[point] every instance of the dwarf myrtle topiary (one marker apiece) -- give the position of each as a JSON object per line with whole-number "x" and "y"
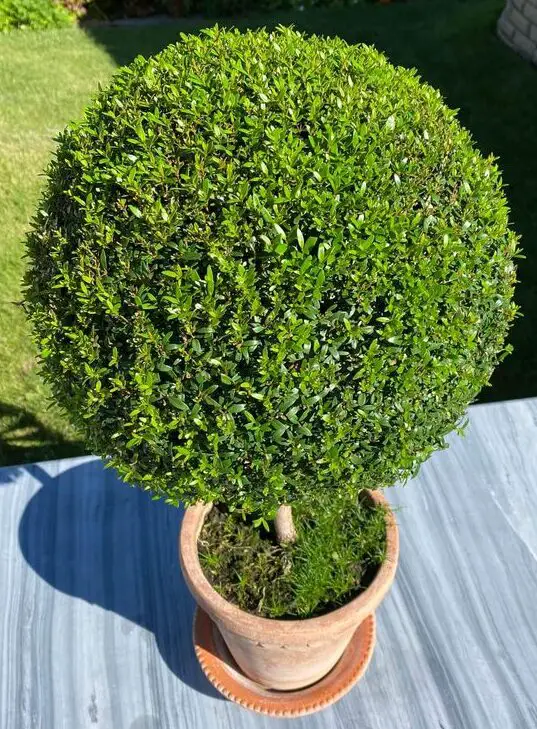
{"x": 267, "y": 266}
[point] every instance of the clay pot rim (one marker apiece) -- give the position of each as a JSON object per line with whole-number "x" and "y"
{"x": 258, "y": 628}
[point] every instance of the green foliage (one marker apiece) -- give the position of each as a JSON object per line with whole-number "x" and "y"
{"x": 229, "y": 7}
{"x": 103, "y": 9}
{"x": 226, "y": 7}
{"x": 118, "y": 8}
{"x": 338, "y": 551}
{"x": 33, "y": 14}
{"x": 78, "y": 8}
{"x": 267, "y": 266}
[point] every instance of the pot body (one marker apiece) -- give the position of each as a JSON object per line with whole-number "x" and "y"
{"x": 284, "y": 654}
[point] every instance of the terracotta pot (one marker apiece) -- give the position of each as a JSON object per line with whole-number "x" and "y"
{"x": 284, "y": 654}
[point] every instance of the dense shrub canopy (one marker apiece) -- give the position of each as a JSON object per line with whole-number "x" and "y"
{"x": 266, "y": 266}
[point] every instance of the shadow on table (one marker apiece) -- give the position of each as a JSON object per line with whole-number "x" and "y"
{"x": 93, "y": 537}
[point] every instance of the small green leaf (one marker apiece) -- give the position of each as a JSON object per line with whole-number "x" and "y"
{"x": 209, "y": 280}
{"x": 135, "y": 211}
{"x": 236, "y": 408}
{"x": 178, "y": 402}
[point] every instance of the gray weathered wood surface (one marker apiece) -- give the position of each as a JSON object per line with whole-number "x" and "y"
{"x": 95, "y": 620}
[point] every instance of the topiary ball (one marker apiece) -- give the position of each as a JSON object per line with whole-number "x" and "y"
{"x": 266, "y": 267}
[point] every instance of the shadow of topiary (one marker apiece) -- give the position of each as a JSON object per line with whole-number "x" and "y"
{"x": 91, "y": 536}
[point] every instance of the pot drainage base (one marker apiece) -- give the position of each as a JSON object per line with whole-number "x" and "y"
{"x": 224, "y": 674}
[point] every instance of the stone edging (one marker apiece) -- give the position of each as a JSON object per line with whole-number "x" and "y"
{"x": 517, "y": 27}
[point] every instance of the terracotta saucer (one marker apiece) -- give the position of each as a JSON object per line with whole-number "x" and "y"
{"x": 224, "y": 674}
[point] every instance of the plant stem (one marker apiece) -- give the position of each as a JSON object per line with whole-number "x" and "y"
{"x": 284, "y": 525}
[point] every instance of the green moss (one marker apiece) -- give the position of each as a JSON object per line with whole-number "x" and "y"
{"x": 335, "y": 557}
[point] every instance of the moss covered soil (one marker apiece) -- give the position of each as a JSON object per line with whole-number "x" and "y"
{"x": 336, "y": 556}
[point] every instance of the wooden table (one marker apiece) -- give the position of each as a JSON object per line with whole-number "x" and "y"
{"x": 95, "y": 619}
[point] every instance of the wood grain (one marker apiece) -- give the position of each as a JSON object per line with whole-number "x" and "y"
{"x": 95, "y": 620}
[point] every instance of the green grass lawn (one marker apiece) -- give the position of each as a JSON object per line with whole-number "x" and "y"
{"x": 46, "y": 78}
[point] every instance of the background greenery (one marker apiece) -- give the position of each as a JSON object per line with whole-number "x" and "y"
{"x": 46, "y": 78}
{"x": 112, "y": 8}
{"x": 34, "y": 14}
{"x": 39, "y": 14}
